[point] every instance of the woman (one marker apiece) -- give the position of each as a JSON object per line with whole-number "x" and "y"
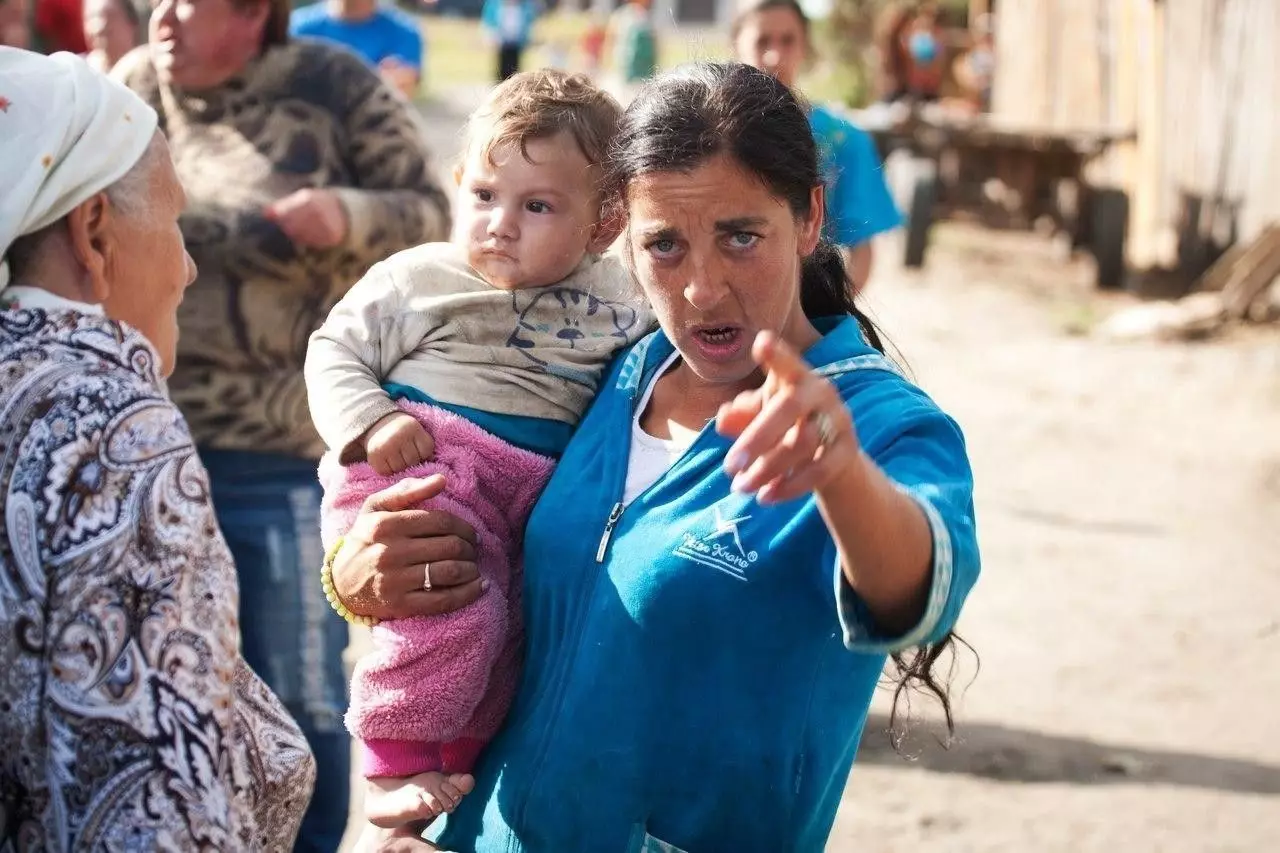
{"x": 301, "y": 169}
{"x": 129, "y": 721}
{"x": 773, "y": 35}
{"x": 709, "y": 605}
{"x": 112, "y": 28}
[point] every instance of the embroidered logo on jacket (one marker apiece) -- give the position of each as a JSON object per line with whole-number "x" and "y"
{"x": 720, "y": 548}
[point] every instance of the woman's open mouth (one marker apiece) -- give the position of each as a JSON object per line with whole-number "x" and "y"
{"x": 719, "y": 343}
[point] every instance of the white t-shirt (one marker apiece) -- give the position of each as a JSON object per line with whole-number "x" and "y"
{"x": 650, "y": 457}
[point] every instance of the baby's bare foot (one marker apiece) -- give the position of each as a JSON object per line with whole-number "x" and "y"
{"x": 394, "y": 802}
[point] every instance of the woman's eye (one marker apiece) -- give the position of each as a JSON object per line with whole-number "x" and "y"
{"x": 538, "y": 207}
{"x": 662, "y": 247}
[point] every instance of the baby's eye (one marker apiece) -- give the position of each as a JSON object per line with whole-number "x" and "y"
{"x": 538, "y": 207}
{"x": 485, "y": 196}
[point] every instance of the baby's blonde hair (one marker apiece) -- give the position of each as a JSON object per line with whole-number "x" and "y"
{"x": 540, "y": 104}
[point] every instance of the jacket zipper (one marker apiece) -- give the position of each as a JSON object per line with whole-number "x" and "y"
{"x": 614, "y": 515}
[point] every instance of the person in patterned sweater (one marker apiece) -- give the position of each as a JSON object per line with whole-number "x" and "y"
{"x": 302, "y": 169}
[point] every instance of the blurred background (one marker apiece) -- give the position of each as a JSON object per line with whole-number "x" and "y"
{"x": 1087, "y": 278}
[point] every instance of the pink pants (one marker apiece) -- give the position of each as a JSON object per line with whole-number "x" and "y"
{"x": 435, "y": 689}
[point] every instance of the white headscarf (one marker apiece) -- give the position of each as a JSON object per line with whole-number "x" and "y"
{"x": 66, "y": 133}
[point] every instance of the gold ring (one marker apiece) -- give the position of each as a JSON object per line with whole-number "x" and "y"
{"x": 426, "y": 576}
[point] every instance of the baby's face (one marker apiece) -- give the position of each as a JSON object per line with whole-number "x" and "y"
{"x": 527, "y": 222}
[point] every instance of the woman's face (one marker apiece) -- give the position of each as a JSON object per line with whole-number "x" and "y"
{"x": 774, "y": 41}
{"x": 200, "y": 44}
{"x": 145, "y": 267}
{"x": 108, "y": 27}
{"x": 719, "y": 258}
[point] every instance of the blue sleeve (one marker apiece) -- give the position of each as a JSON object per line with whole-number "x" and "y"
{"x": 406, "y": 43}
{"x": 924, "y": 455}
{"x": 305, "y": 21}
{"x": 858, "y": 199}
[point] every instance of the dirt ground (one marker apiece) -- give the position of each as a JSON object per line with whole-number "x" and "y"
{"x": 1128, "y": 616}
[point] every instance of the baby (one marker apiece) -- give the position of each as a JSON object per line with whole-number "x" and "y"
{"x": 474, "y": 359}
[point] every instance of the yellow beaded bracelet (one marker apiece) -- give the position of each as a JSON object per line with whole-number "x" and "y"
{"x": 326, "y": 583}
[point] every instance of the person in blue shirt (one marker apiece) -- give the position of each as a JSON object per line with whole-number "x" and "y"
{"x": 773, "y": 35}
{"x": 385, "y": 37}
{"x": 755, "y": 513}
{"x": 508, "y": 24}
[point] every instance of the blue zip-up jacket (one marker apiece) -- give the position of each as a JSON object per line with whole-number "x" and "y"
{"x": 697, "y": 671}
{"x": 491, "y": 18}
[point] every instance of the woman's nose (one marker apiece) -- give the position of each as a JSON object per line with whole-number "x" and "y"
{"x": 705, "y": 287}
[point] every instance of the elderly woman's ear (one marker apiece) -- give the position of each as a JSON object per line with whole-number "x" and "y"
{"x": 93, "y": 232}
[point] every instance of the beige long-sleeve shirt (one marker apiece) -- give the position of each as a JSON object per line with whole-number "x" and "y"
{"x": 302, "y": 115}
{"x": 426, "y": 320}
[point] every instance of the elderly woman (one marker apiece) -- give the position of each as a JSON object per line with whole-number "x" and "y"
{"x": 128, "y": 719}
{"x": 757, "y": 511}
{"x": 301, "y": 169}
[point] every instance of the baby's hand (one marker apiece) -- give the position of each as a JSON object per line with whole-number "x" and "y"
{"x": 396, "y": 443}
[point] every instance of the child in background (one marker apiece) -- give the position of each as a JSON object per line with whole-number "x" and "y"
{"x": 475, "y": 359}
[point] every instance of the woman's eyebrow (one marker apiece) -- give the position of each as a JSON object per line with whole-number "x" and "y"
{"x": 654, "y": 234}
{"x": 740, "y": 223}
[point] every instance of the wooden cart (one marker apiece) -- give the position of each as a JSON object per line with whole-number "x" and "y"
{"x": 1010, "y": 177}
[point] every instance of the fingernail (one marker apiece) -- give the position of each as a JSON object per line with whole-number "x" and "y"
{"x": 735, "y": 461}
{"x": 484, "y": 584}
{"x": 739, "y": 485}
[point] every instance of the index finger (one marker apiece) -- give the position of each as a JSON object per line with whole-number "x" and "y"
{"x": 778, "y": 357}
{"x": 404, "y": 495}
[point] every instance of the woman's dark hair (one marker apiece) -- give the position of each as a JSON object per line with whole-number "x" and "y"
{"x": 683, "y": 118}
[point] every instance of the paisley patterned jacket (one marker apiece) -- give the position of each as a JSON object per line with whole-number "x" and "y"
{"x": 303, "y": 115}
{"x": 128, "y": 719}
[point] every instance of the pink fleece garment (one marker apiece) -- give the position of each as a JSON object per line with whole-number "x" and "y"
{"x": 434, "y": 690}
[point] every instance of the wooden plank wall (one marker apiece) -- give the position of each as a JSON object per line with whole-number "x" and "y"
{"x": 1198, "y": 80}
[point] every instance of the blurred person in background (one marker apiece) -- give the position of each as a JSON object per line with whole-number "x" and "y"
{"x": 633, "y": 43}
{"x": 14, "y": 31}
{"x": 773, "y": 35}
{"x": 387, "y": 38}
{"x": 301, "y": 169}
{"x": 508, "y": 24}
{"x": 129, "y": 719}
{"x": 112, "y": 28}
{"x": 59, "y": 25}
{"x": 926, "y": 54}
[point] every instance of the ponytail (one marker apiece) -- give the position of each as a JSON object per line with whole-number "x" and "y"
{"x": 827, "y": 291}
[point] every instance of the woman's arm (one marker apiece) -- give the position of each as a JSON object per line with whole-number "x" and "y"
{"x": 902, "y": 524}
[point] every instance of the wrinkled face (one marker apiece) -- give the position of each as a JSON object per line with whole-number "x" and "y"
{"x": 200, "y": 44}
{"x": 528, "y": 221}
{"x": 107, "y": 27}
{"x": 147, "y": 268}
{"x": 719, "y": 257}
{"x": 774, "y": 41}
